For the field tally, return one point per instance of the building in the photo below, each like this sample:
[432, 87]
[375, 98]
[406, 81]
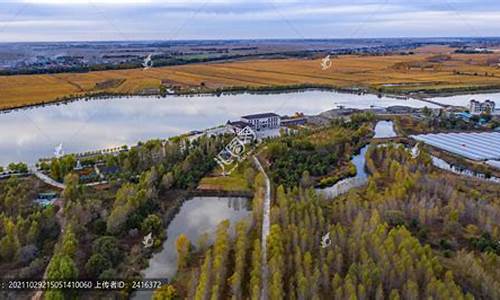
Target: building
[263, 121]
[45, 199]
[464, 116]
[236, 126]
[293, 121]
[477, 108]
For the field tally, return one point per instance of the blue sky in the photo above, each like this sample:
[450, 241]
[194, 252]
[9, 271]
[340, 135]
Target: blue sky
[84, 20]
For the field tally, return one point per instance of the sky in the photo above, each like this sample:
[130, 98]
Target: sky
[104, 20]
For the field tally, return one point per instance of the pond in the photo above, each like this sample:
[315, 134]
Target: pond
[196, 216]
[29, 134]
[385, 129]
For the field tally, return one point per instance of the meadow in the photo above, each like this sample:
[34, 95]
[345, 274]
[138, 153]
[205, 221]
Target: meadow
[427, 70]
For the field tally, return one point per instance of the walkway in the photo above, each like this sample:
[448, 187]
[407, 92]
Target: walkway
[266, 225]
[47, 179]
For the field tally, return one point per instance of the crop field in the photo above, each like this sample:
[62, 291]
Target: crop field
[429, 69]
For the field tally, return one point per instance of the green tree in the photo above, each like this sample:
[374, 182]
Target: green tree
[96, 264]
[108, 247]
[165, 292]
[152, 223]
[182, 245]
[9, 244]
[69, 242]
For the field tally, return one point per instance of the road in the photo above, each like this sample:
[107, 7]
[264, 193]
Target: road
[266, 225]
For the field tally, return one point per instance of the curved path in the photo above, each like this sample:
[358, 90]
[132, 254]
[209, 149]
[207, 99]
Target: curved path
[266, 225]
[47, 179]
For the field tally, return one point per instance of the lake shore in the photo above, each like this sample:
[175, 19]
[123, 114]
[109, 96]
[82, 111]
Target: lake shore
[388, 75]
[253, 91]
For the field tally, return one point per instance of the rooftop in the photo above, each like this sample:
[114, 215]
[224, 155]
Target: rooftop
[239, 124]
[260, 116]
[476, 146]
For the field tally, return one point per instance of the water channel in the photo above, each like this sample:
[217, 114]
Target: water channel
[383, 129]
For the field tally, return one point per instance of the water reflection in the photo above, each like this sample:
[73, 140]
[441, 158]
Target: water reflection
[385, 129]
[343, 186]
[196, 216]
[27, 135]
[444, 165]
[463, 100]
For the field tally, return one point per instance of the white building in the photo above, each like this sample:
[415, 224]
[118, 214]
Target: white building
[477, 108]
[263, 121]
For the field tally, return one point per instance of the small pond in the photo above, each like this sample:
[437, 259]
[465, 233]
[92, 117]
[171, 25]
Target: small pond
[195, 217]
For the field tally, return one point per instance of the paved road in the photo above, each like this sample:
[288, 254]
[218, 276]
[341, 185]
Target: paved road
[266, 225]
[47, 179]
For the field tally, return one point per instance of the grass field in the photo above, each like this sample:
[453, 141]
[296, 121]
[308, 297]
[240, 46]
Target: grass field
[430, 69]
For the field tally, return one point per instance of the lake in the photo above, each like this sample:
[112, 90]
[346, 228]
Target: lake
[196, 216]
[30, 134]
[463, 100]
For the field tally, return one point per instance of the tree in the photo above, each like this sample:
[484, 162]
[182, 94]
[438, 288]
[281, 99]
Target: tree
[167, 181]
[72, 191]
[152, 223]
[108, 247]
[182, 245]
[61, 267]
[306, 181]
[96, 264]
[204, 283]
[9, 244]
[240, 256]
[255, 274]
[55, 169]
[69, 242]
[250, 176]
[427, 111]
[165, 292]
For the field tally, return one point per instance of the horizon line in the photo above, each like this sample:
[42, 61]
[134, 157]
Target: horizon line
[250, 39]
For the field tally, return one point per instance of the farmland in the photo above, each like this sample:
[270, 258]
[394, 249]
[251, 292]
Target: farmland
[430, 70]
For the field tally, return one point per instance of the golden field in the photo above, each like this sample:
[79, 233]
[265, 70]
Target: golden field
[429, 69]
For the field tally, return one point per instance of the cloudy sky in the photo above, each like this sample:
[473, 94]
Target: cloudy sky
[84, 20]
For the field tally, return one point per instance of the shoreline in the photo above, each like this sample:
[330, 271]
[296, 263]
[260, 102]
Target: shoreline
[209, 93]
[423, 96]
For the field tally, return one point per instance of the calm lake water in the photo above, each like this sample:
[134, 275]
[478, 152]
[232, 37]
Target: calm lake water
[196, 216]
[463, 100]
[29, 134]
